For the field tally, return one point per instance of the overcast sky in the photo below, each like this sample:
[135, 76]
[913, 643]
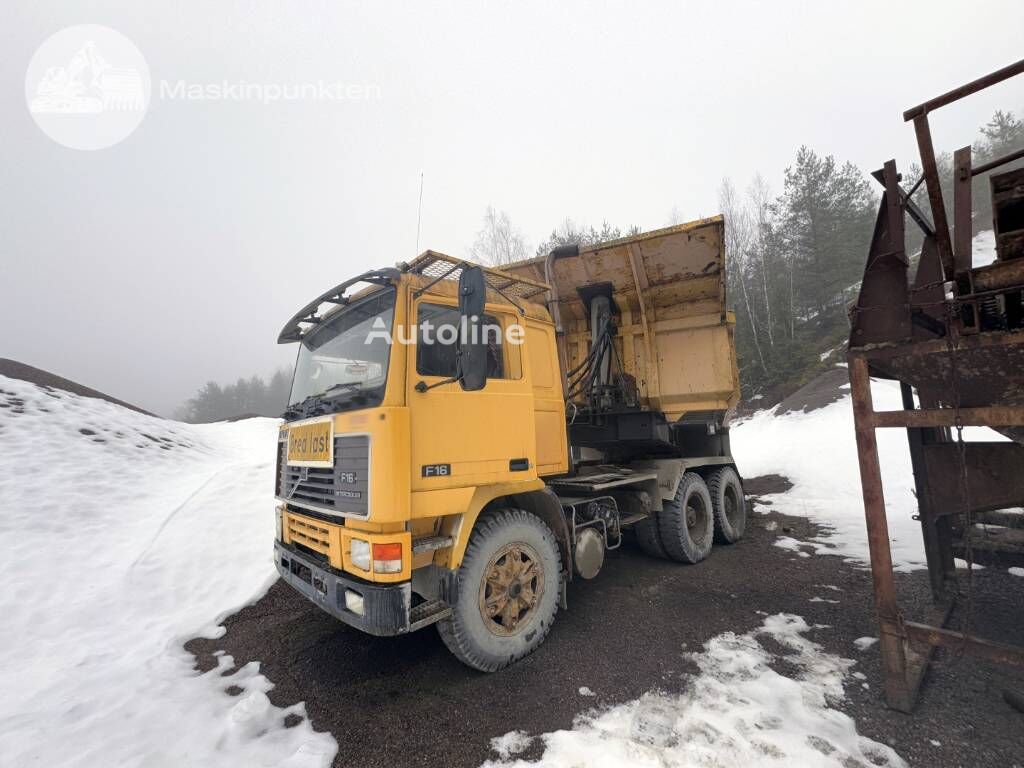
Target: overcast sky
[175, 256]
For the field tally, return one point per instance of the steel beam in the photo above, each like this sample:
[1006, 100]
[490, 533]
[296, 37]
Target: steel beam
[991, 416]
[962, 209]
[934, 188]
[993, 164]
[939, 636]
[965, 90]
[898, 692]
[940, 569]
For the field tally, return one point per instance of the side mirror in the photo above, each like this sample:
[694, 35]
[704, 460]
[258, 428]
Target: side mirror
[472, 360]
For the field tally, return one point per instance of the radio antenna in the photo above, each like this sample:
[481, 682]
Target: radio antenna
[419, 216]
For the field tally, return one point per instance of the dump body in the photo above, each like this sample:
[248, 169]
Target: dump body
[674, 334]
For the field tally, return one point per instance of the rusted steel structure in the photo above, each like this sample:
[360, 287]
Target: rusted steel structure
[953, 336]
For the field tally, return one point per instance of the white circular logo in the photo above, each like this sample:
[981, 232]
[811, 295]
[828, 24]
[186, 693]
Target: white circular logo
[87, 87]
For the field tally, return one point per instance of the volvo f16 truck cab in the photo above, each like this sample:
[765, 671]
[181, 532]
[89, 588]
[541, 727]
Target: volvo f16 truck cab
[463, 442]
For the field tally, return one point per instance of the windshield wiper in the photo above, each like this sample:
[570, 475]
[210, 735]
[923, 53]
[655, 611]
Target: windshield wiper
[293, 410]
[313, 405]
[304, 407]
[338, 389]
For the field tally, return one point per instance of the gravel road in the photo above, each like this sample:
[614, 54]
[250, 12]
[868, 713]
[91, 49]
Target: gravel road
[405, 701]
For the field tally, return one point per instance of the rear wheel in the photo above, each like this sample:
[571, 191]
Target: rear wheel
[686, 523]
[507, 593]
[633, 503]
[649, 537]
[729, 505]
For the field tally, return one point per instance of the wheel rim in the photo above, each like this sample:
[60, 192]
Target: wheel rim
[732, 507]
[511, 588]
[697, 518]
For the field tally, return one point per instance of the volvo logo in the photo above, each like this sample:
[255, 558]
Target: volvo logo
[301, 476]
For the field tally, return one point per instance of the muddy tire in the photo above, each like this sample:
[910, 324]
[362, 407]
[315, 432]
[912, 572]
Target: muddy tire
[646, 530]
[686, 523]
[649, 537]
[508, 589]
[729, 505]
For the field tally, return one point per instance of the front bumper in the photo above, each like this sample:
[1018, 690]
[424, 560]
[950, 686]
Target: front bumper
[385, 606]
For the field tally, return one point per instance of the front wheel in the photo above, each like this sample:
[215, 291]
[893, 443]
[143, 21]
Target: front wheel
[507, 591]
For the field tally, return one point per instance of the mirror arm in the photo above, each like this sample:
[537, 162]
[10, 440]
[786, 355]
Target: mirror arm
[422, 386]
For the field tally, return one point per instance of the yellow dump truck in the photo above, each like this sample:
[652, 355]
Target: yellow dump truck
[462, 442]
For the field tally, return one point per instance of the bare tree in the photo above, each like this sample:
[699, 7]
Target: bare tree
[760, 200]
[498, 241]
[739, 233]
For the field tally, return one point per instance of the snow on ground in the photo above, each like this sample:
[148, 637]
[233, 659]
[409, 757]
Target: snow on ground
[962, 564]
[512, 743]
[818, 453]
[125, 536]
[793, 545]
[736, 711]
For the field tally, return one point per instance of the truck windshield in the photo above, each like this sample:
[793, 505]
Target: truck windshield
[346, 359]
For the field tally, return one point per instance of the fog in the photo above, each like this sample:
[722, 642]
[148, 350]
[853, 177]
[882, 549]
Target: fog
[176, 255]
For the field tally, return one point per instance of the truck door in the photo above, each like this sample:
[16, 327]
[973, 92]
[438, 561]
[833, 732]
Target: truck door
[460, 438]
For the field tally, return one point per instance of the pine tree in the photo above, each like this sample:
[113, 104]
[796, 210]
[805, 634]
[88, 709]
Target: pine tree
[825, 212]
[1003, 134]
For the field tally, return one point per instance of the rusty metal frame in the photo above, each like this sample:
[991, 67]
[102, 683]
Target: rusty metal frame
[899, 329]
[906, 646]
[919, 115]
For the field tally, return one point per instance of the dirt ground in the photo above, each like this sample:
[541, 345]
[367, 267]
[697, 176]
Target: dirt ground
[405, 701]
[820, 391]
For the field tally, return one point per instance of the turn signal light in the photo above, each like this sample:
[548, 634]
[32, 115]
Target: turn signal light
[387, 558]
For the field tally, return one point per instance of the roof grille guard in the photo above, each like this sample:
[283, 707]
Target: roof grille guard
[438, 266]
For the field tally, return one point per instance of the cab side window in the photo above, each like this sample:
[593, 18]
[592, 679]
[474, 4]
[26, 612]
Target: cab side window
[437, 332]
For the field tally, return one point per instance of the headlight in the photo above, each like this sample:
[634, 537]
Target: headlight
[279, 531]
[360, 554]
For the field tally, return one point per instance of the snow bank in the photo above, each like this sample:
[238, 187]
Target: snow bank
[126, 535]
[818, 453]
[736, 711]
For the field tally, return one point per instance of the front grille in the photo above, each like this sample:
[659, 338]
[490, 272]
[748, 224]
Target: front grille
[310, 535]
[342, 489]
